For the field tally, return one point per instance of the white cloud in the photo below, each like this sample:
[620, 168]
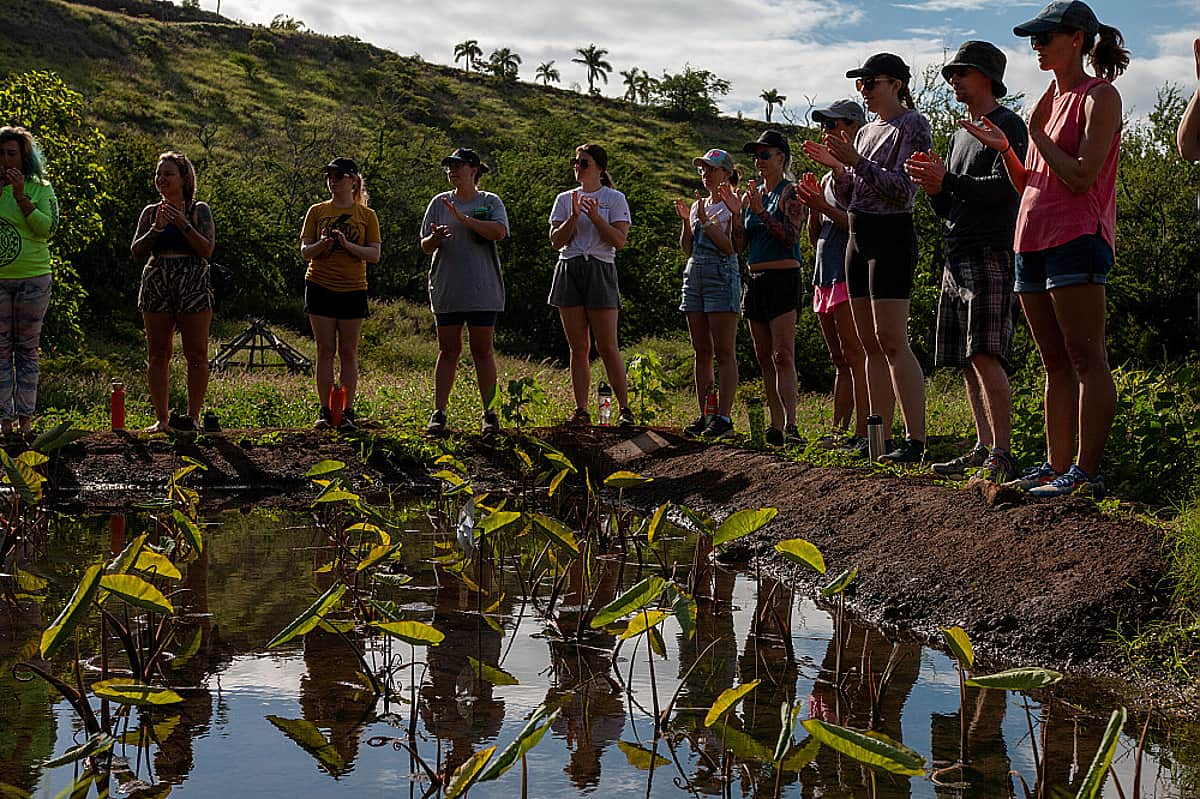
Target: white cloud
[945, 5]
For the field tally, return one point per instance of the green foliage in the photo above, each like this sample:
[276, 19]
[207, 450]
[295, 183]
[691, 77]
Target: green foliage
[249, 64]
[644, 374]
[521, 398]
[153, 48]
[691, 94]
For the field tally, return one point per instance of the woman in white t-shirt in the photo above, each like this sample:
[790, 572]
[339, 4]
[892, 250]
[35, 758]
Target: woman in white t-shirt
[587, 226]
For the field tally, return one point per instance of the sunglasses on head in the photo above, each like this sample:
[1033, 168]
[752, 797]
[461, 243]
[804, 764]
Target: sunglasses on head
[764, 155]
[582, 163]
[868, 83]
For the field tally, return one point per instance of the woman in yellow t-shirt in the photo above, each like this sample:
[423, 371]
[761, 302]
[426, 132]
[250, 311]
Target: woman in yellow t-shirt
[340, 237]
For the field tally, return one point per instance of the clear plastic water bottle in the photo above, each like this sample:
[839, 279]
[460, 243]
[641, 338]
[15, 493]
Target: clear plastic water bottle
[754, 411]
[604, 398]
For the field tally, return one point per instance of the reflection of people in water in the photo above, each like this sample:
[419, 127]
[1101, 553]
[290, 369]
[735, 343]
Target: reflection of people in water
[1070, 744]
[987, 759]
[457, 706]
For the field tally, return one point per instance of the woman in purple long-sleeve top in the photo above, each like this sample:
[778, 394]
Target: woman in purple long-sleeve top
[870, 180]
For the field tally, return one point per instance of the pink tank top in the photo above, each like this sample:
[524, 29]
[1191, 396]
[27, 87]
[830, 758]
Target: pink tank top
[1051, 214]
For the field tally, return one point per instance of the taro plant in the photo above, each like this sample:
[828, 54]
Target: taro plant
[647, 383]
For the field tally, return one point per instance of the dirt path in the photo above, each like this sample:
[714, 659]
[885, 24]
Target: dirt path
[1045, 581]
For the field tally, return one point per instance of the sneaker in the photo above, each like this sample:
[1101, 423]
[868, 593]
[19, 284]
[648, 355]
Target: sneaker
[909, 451]
[324, 419]
[211, 425]
[791, 436]
[718, 427]
[1072, 481]
[697, 427]
[491, 422]
[999, 467]
[956, 468]
[182, 423]
[774, 437]
[437, 423]
[349, 421]
[580, 418]
[1033, 477]
[854, 445]
[625, 418]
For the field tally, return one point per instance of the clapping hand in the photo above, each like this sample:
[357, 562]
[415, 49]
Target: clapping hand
[727, 195]
[842, 148]
[926, 170]
[16, 178]
[446, 201]
[986, 132]
[440, 233]
[821, 154]
[754, 197]
[576, 203]
[166, 214]
[701, 209]
[682, 210]
[590, 206]
[1041, 112]
[809, 192]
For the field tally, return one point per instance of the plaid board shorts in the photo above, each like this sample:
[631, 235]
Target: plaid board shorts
[975, 310]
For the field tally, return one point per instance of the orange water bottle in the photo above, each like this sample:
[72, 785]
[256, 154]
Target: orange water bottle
[117, 405]
[337, 403]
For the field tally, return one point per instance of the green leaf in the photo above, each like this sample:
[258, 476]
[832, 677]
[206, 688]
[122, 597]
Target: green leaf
[325, 467]
[743, 523]
[127, 558]
[801, 755]
[530, 736]
[725, 702]
[1019, 679]
[562, 460]
[959, 645]
[309, 738]
[1094, 781]
[874, 749]
[310, 618]
[30, 583]
[642, 758]
[625, 479]
[492, 674]
[660, 513]
[365, 527]
[744, 747]
[58, 437]
[414, 632]
[701, 522]
[25, 485]
[157, 565]
[97, 744]
[556, 481]
[189, 529]
[335, 495]
[797, 550]
[840, 583]
[137, 592]
[468, 772]
[637, 597]
[496, 521]
[62, 627]
[377, 555]
[556, 532]
[125, 691]
[642, 622]
[683, 606]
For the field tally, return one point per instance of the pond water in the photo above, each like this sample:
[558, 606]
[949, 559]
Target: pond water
[298, 720]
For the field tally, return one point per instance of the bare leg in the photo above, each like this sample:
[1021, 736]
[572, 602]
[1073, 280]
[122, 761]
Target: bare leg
[160, 339]
[483, 353]
[843, 381]
[979, 411]
[348, 332]
[702, 346]
[449, 338]
[325, 334]
[880, 396]
[1061, 398]
[996, 396]
[783, 350]
[579, 338]
[908, 381]
[193, 330]
[856, 360]
[724, 341]
[603, 323]
[760, 333]
[1080, 312]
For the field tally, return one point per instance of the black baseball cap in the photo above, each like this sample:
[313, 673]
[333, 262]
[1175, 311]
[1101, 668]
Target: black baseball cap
[769, 138]
[342, 164]
[466, 155]
[1061, 15]
[882, 64]
[985, 57]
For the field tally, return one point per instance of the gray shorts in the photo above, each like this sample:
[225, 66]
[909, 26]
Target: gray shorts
[585, 281]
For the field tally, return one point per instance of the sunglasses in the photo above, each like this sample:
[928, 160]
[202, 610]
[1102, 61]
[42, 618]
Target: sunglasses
[1044, 38]
[830, 124]
[582, 163]
[764, 155]
[867, 84]
[337, 175]
[957, 72]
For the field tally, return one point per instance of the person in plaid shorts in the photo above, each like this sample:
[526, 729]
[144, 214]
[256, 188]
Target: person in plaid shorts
[971, 191]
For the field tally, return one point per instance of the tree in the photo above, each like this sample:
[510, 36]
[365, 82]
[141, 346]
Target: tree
[773, 98]
[468, 50]
[691, 94]
[631, 78]
[504, 63]
[546, 73]
[647, 87]
[282, 22]
[592, 57]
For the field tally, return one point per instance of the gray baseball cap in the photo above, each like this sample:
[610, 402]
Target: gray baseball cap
[848, 110]
[716, 158]
[1061, 15]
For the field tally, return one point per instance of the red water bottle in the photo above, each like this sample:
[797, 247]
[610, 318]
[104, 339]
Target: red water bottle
[117, 405]
[710, 401]
[337, 403]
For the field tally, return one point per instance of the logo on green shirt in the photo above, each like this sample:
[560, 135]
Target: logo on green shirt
[10, 242]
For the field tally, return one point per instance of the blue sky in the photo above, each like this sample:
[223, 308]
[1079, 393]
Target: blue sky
[800, 47]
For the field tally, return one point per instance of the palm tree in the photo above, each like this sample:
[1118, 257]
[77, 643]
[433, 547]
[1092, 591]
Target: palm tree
[547, 73]
[504, 63]
[631, 78]
[468, 50]
[647, 85]
[592, 57]
[773, 98]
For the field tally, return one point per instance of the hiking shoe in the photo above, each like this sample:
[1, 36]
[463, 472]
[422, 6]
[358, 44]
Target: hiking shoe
[211, 425]
[580, 418]
[324, 419]
[908, 452]
[625, 418]
[182, 423]
[437, 423]
[1033, 477]
[774, 437]
[491, 423]
[697, 427]
[718, 427]
[956, 468]
[1072, 481]
[999, 467]
[349, 421]
[791, 436]
[854, 445]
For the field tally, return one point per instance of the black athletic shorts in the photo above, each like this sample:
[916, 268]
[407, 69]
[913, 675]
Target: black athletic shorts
[881, 256]
[320, 301]
[771, 293]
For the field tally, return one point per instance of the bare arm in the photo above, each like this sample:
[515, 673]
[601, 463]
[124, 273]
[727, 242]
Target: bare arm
[613, 233]
[147, 232]
[1101, 124]
[202, 235]
[561, 232]
[1188, 135]
[313, 248]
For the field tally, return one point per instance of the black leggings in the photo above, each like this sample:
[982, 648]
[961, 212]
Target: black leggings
[881, 256]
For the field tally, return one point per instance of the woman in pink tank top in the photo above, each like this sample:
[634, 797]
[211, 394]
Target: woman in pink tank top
[1065, 236]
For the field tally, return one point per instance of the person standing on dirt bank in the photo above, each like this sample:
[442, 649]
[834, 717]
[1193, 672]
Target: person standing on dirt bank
[587, 227]
[460, 230]
[1065, 236]
[28, 218]
[972, 192]
[869, 179]
[177, 237]
[712, 287]
[1188, 135]
[339, 238]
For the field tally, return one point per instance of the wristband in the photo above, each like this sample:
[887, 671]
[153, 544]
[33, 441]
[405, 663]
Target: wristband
[1006, 149]
[189, 228]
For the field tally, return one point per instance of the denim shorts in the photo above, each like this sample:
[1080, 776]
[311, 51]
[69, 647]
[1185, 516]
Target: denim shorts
[584, 280]
[468, 318]
[1086, 259]
[711, 284]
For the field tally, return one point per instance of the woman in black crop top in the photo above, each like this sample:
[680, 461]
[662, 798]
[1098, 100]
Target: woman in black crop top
[176, 235]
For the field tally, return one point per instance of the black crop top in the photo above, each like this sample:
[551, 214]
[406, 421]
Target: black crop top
[172, 239]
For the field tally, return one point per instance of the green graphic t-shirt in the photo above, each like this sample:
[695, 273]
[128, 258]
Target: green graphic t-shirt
[23, 249]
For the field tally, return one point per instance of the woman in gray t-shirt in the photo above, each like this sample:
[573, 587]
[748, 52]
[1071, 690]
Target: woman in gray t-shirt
[460, 230]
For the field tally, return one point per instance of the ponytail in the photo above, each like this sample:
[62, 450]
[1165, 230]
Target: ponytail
[605, 180]
[735, 177]
[906, 98]
[1107, 54]
[360, 192]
